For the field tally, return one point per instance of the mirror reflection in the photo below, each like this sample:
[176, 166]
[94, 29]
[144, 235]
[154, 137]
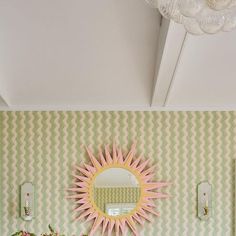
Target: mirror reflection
[116, 191]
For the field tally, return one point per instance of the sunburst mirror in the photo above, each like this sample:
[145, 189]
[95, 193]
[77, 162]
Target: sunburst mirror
[115, 191]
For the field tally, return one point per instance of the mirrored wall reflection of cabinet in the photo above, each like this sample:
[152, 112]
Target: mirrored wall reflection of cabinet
[115, 209]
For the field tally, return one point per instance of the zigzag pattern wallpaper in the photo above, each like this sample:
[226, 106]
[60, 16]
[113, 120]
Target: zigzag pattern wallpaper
[188, 147]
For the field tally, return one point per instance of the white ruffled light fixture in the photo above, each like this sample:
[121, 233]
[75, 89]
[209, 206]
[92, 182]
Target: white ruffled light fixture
[199, 16]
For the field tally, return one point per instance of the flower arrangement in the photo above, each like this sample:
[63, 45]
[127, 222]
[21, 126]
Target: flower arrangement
[52, 232]
[23, 233]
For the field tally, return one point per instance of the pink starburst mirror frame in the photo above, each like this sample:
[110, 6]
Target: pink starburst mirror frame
[82, 191]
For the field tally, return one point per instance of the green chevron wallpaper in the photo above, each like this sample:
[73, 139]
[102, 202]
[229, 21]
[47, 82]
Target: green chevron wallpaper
[188, 147]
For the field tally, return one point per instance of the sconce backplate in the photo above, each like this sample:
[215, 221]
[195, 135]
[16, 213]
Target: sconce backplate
[27, 188]
[204, 200]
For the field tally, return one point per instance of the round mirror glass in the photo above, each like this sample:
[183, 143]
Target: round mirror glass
[116, 191]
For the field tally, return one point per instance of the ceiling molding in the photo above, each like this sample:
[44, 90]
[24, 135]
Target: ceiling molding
[4, 98]
[115, 108]
[3, 102]
[171, 40]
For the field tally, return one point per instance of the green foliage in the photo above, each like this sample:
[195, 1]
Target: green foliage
[23, 233]
[52, 233]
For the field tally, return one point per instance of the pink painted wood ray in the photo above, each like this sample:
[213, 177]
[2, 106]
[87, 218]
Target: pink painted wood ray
[81, 191]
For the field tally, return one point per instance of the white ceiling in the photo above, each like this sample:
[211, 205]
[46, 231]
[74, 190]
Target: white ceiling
[109, 55]
[206, 73]
[77, 53]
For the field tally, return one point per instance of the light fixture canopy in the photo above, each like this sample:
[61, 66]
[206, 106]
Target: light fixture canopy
[199, 16]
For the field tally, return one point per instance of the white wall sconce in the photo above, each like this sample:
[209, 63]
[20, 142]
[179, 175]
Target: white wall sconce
[204, 200]
[27, 201]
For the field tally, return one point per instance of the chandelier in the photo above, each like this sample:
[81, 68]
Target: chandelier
[199, 16]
